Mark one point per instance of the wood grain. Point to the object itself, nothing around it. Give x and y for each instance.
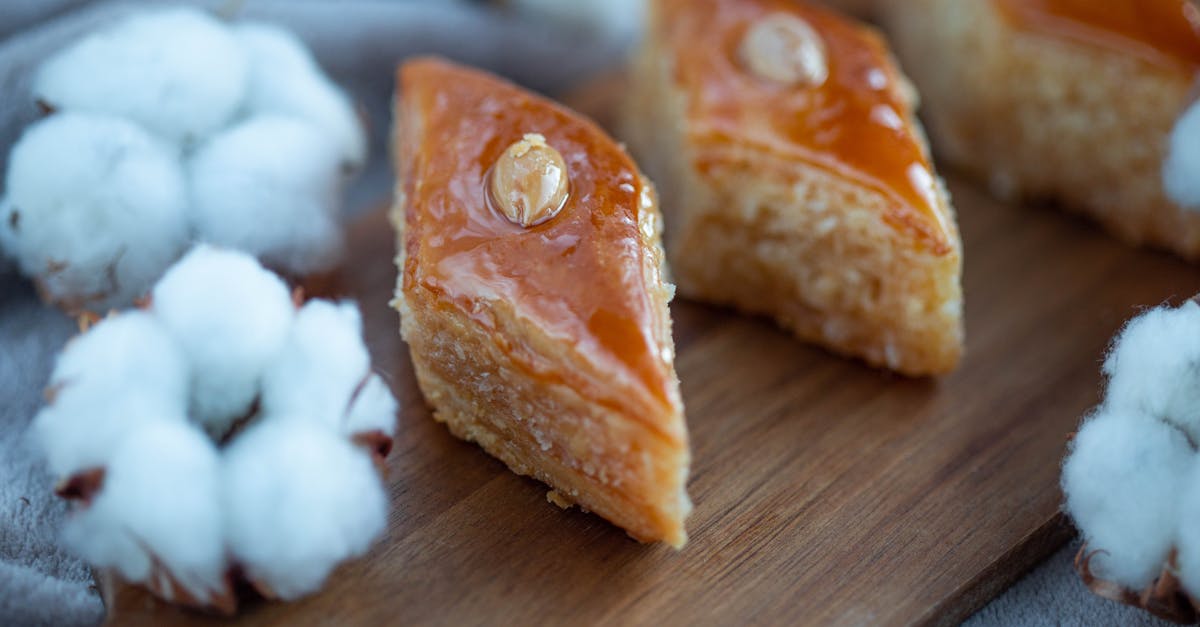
(826, 492)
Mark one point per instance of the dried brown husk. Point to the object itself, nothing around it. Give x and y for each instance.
(1164, 597)
(378, 444)
(163, 584)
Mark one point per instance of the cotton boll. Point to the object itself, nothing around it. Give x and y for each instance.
(322, 364)
(159, 502)
(286, 80)
(95, 209)
(231, 317)
(298, 500)
(1154, 367)
(178, 72)
(1121, 479)
(1181, 169)
(269, 186)
(124, 372)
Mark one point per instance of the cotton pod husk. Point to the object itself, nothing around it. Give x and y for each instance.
(371, 419)
(1165, 597)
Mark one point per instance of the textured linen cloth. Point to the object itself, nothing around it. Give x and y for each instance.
(359, 43)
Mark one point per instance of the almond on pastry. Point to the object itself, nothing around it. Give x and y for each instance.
(795, 181)
(532, 295)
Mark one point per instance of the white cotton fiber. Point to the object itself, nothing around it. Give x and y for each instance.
(374, 409)
(286, 80)
(125, 371)
(95, 209)
(178, 72)
(322, 364)
(1154, 367)
(1188, 544)
(1181, 169)
(1122, 478)
(160, 497)
(269, 186)
(231, 316)
(123, 351)
(323, 375)
(299, 499)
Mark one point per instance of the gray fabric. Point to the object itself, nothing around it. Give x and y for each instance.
(359, 42)
(21, 14)
(1053, 595)
(39, 583)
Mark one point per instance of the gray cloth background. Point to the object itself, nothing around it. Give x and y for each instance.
(359, 43)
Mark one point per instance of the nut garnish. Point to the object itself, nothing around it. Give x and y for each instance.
(785, 49)
(528, 183)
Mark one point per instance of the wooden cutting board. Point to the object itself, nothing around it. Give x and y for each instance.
(826, 492)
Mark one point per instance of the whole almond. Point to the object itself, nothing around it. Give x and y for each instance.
(785, 49)
(528, 183)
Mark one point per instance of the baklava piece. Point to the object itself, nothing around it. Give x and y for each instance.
(795, 180)
(1078, 101)
(532, 295)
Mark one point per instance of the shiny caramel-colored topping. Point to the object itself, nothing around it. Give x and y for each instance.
(577, 276)
(856, 124)
(1160, 32)
(785, 49)
(528, 183)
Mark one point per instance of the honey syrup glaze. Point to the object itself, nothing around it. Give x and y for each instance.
(855, 123)
(1162, 32)
(577, 275)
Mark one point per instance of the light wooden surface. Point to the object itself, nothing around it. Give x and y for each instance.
(826, 492)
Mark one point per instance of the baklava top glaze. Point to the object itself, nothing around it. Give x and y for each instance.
(1161, 32)
(583, 276)
(856, 124)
